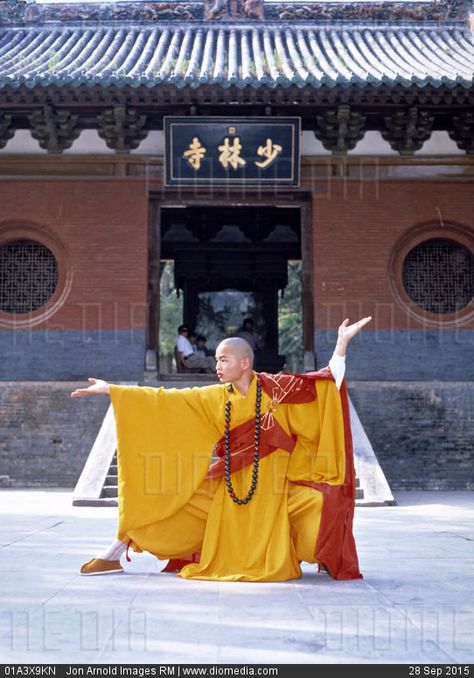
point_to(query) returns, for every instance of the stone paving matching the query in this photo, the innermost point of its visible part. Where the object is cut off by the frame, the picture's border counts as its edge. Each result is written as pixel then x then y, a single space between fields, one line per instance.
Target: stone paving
pixel 415 603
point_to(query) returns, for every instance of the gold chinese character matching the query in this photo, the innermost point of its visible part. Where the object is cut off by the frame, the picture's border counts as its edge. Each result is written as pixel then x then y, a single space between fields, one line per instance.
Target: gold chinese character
pixel 195 153
pixel 230 155
pixel 269 151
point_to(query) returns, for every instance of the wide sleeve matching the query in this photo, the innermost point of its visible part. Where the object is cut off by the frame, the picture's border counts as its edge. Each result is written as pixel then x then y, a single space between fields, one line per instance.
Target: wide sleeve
pixel 319 453
pixel 165 440
pixel 337 365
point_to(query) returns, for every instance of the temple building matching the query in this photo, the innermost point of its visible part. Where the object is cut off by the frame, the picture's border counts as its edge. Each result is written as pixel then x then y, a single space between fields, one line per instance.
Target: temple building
pixel 232 137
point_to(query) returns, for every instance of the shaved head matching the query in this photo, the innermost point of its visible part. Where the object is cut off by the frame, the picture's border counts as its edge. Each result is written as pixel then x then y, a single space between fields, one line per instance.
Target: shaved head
pixel 238 347
pixel 234 363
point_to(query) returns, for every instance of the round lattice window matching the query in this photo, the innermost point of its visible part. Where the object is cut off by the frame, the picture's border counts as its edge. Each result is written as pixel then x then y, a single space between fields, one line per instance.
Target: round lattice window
pixel 438 275
pixel 28 276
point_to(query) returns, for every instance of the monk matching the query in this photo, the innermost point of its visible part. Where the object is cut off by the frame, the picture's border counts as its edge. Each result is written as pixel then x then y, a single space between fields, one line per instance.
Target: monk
pixel 281 490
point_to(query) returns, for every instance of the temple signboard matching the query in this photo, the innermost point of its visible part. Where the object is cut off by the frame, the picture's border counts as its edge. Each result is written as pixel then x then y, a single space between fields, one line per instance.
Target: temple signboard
pixel 252 151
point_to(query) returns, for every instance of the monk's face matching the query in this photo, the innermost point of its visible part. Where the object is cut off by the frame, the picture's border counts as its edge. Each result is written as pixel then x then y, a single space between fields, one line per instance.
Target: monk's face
pixel 230 364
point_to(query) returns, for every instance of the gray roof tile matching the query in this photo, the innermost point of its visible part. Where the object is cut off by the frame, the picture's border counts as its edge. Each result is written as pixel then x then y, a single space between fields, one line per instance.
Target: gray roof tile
pixel 239 54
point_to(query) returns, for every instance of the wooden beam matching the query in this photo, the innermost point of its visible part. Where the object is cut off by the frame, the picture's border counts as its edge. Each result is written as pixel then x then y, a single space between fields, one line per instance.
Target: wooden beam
pixel 307 284
pixel 154 259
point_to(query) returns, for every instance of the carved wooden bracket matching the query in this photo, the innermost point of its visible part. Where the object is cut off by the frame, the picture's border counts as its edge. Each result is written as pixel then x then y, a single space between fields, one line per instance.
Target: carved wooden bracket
pixel 462 131
pixel 122 128
pixel 54 130
pixel 339 130
pixel 407 131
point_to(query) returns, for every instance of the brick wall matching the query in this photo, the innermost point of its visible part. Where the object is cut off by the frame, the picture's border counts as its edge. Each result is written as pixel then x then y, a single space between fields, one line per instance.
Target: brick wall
pixel 46 436
pixel 98 231
pixel 422 432
pixel 358 229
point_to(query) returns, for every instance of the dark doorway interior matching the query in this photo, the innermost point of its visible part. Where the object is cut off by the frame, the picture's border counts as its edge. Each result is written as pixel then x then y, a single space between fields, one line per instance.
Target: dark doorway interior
pixel 230 264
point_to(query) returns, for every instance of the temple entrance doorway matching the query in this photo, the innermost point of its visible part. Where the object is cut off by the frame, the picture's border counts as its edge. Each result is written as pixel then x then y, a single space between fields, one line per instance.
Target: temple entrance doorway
pixel 226 269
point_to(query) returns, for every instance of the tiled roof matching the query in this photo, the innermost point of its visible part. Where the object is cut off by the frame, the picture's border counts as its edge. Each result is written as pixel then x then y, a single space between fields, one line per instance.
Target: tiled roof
pixel 242 54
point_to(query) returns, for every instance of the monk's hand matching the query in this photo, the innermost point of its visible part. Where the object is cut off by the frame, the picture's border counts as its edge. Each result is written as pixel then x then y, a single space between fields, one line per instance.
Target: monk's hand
pixel 96 386
pixel 346 332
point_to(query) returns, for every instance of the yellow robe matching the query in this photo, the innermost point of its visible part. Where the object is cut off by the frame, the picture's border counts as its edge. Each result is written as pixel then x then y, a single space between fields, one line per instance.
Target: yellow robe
pixel 167 507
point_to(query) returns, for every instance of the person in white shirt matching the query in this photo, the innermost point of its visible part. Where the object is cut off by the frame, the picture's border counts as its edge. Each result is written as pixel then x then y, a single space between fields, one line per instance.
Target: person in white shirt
pixel 186 354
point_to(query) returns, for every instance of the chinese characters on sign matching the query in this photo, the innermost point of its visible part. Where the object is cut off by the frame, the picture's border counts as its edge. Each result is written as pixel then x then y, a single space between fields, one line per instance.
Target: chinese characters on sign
pixel 237 151
pixel 195 153
pixel 269 151
pixel 230 155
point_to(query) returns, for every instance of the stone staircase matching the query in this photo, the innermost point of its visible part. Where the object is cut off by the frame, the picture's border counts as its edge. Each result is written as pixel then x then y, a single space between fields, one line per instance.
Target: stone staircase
pixel 98 484
pixel 110 488
pixel 99 469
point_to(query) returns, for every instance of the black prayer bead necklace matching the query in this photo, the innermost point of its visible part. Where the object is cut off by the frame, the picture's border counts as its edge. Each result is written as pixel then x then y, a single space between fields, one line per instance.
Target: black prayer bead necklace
pixel 256 455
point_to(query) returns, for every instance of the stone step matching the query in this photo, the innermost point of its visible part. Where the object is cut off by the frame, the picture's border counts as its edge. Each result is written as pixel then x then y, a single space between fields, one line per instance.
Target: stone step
pixel 95 502
pixel 111 479
pixel 109 491
pixel 88 490
pixel 154 379
pixel 367 468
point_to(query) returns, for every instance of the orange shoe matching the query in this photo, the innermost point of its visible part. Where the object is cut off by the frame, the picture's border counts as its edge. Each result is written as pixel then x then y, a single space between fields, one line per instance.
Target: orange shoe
pixel 99 566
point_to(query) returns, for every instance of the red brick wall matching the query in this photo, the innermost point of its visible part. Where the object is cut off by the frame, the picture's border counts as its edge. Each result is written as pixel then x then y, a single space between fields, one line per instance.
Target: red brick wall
pixel 99 231
pixel 101 228
pixel 357 230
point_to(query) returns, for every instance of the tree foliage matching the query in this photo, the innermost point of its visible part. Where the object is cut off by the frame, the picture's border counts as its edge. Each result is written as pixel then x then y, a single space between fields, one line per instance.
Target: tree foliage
pixel 290 326
pixel 171 310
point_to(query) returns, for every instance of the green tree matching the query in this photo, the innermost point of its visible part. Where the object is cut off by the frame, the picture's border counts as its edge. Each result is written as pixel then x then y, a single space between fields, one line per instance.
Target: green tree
pixel 290 326
pixel 171 313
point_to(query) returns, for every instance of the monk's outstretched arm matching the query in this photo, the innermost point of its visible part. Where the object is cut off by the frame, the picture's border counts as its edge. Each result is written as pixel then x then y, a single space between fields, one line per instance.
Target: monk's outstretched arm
pixel 346 332
pixel 97 386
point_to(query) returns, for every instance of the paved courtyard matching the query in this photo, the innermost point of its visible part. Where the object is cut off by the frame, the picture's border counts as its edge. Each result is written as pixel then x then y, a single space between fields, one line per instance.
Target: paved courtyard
pixel 415 604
